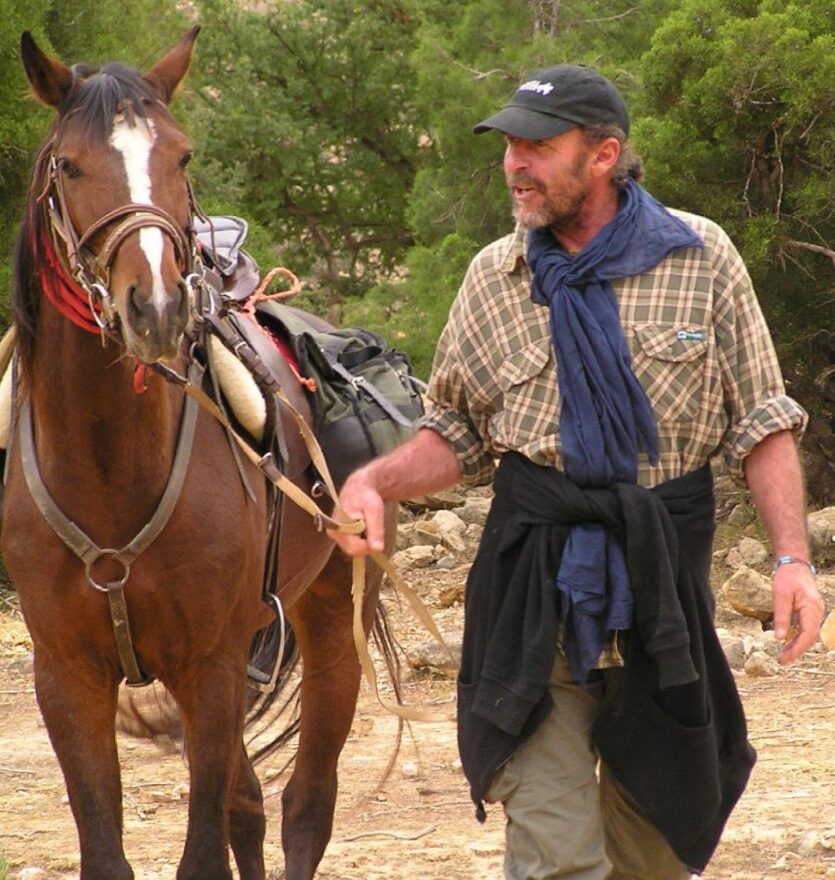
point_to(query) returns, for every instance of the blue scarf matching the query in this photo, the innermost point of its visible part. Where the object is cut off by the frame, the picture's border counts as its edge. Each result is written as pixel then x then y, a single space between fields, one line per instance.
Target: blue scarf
pixel 605 415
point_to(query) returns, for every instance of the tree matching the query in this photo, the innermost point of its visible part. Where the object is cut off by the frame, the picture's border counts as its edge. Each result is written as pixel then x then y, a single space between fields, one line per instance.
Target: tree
pixel 738 123
pixel 306 122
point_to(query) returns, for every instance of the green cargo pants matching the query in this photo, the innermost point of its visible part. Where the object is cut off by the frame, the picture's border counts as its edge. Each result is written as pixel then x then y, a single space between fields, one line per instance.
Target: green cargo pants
pixel 566 817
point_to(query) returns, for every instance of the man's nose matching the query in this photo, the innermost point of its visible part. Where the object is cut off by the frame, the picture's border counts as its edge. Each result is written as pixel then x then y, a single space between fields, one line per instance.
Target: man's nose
pixel 514 157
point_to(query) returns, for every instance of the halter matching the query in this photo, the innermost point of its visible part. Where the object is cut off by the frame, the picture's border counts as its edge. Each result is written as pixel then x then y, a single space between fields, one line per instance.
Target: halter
pixel 84 297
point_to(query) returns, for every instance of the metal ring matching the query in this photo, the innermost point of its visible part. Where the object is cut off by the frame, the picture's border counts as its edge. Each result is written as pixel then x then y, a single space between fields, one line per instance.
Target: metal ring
pixel 319 489
pixel 105 588
pixel 106 301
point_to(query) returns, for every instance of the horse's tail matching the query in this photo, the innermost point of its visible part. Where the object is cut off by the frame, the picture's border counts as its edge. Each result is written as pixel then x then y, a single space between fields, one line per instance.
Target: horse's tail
pixel 260 722
pixel 150 713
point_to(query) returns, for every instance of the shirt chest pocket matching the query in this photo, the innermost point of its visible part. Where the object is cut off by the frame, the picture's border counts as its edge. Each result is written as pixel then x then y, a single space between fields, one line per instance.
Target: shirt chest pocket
pixel 529 390
pixel 670 362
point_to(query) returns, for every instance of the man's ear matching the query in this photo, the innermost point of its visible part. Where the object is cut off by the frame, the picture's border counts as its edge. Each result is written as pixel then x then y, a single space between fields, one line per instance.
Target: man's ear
pixel 605 157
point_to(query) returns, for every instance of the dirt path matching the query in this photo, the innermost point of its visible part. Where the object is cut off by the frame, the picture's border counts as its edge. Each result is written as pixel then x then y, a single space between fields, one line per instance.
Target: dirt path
pixel 420 824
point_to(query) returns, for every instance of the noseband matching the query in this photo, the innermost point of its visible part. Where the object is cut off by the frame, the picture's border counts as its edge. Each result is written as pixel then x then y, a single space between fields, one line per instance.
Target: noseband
pixel 91 271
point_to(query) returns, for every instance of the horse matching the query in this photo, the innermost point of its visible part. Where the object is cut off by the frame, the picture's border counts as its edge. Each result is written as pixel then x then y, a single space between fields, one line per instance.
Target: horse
pixel 118 574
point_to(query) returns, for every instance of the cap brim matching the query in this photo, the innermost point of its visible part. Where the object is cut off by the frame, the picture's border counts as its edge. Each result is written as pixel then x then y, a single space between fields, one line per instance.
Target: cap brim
pixel 523 123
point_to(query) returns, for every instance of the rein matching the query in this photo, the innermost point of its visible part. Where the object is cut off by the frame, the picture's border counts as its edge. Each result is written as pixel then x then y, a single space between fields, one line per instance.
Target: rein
pixel 266 465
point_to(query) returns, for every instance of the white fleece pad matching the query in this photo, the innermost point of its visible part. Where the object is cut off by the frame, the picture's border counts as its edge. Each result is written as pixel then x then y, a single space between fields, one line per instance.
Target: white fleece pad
pixel 239 389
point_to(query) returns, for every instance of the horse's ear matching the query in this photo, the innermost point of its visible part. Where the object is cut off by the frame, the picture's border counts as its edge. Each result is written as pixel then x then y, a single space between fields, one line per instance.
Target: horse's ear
pixel 167 74
pixel 51 81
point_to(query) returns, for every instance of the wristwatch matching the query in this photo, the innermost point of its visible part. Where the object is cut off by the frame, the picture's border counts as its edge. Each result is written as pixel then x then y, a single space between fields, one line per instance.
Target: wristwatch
pixel 789 560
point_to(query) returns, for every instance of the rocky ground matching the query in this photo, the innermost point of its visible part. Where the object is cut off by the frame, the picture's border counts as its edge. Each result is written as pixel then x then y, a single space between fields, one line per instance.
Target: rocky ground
pixel 419 823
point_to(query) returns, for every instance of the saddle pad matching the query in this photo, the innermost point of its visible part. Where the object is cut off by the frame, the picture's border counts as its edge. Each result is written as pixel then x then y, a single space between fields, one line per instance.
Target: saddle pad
pixel 5 408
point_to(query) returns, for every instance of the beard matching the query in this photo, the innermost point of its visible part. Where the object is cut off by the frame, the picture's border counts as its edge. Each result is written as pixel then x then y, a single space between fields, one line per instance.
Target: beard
pixel 561 206
pixel 558 215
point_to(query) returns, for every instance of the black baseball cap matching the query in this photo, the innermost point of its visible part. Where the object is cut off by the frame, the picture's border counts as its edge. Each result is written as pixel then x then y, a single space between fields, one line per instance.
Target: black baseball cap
pixel 556 99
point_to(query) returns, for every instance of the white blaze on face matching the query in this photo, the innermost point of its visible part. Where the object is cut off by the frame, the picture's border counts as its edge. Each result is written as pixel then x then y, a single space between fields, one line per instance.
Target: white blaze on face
pixel 135 143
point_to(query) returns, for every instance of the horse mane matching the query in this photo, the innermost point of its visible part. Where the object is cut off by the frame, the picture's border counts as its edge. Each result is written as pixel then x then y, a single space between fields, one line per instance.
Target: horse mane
pixel 98 96
pixel 95 97
pixel 26 283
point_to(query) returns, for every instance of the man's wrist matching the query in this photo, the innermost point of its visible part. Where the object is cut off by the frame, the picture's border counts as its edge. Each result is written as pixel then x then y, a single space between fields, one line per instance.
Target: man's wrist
pixel 793 560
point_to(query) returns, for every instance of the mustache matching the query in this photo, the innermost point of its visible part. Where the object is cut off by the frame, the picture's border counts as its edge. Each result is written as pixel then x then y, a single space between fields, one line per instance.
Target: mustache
pixel 520 178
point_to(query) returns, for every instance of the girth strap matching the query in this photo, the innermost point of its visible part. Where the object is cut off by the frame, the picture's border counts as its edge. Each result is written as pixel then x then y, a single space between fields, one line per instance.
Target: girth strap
pixel 86 549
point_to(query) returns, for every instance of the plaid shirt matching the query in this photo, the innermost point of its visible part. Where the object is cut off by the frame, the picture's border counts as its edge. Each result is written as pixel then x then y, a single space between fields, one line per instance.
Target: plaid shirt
pixel 699 344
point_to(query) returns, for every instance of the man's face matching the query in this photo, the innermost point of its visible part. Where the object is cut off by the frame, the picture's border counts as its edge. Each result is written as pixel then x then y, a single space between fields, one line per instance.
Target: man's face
pixel 548 180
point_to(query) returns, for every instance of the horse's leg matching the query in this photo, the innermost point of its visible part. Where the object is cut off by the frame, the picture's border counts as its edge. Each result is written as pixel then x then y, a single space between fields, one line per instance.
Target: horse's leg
pixel 247 824
pixel 322 622
pixel 79 707
pixel 211 699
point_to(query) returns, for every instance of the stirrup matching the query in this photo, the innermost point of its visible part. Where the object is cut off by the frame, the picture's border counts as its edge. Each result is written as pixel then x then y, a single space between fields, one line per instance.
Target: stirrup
pixel 258 679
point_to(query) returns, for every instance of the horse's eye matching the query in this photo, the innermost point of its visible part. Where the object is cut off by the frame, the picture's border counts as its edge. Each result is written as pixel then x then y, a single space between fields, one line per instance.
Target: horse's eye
pixel 67 167
pixel 186 159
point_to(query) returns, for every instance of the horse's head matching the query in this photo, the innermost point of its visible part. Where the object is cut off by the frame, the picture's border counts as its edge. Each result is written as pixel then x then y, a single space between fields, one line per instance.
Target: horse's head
pixel 115 192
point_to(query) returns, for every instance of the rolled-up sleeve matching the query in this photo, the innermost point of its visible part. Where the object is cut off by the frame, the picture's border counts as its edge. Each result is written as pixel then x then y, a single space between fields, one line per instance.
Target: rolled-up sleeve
pixel 450 413
pixel 755 396
pixel 476 464
pixel 461 390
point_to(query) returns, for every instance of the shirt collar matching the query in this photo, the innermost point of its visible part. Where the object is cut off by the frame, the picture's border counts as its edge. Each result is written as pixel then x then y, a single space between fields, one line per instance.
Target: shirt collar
pixel 516 249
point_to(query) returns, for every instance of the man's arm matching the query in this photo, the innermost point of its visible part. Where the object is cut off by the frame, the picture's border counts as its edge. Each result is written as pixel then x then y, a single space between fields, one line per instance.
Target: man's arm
pixel 425 463
pixel 775 478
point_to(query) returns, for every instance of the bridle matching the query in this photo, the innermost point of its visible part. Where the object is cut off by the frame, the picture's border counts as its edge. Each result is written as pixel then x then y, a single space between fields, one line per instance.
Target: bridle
pixel 91 271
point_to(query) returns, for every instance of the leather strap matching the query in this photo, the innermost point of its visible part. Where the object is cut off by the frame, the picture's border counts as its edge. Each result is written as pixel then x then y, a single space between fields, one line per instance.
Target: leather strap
pixel 85 548
pixel 134 676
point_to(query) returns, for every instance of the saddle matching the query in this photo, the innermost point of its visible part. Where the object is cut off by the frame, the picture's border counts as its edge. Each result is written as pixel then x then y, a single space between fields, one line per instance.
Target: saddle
pixel 229 269
pixel 359 396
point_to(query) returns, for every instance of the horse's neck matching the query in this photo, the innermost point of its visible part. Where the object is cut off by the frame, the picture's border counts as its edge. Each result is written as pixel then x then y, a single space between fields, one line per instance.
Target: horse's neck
pixel 94 433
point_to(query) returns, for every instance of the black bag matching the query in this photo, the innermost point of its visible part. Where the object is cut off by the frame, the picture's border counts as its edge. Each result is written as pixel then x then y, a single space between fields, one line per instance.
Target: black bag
pixel 366 399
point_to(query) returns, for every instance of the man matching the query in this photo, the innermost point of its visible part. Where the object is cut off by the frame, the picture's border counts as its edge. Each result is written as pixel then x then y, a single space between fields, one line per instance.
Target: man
pixel 605 352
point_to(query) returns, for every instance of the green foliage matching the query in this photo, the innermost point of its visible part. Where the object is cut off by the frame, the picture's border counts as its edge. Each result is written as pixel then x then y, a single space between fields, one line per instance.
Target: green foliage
pixel 745 98
pixel 306 121
pixel 739 124
pixel 4 868
pixel 411 313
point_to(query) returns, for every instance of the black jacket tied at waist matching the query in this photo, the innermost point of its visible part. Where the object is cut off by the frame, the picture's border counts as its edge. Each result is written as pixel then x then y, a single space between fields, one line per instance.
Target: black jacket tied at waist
pixel 674 733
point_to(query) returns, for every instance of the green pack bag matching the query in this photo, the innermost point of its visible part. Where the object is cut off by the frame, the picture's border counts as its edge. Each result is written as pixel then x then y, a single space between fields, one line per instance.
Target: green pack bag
pixel 367 399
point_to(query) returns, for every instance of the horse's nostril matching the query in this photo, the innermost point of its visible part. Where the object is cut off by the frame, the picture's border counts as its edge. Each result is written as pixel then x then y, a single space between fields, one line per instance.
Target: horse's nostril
pixel 134 303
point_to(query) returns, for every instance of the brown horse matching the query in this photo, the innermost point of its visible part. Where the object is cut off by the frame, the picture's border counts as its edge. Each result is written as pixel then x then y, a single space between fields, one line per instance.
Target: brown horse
pixel 104 282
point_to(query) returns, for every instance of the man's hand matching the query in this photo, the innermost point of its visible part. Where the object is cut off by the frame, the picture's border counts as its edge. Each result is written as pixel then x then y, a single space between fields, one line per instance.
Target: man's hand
pixel 775 478
pixel 424 463
pixel 796 597
pixel 360 500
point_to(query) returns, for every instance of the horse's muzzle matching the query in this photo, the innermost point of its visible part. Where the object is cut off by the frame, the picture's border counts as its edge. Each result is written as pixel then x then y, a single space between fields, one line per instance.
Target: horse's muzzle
pixel 152 329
